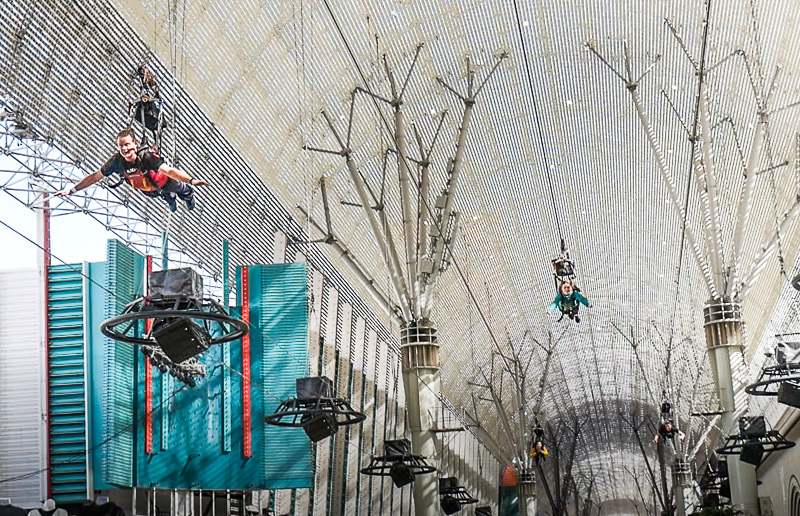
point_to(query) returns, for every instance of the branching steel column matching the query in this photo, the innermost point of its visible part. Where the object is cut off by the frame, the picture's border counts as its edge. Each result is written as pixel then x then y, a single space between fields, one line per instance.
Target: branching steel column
pixel 452 183
pixel 405 199
pixel 452 186
pixel 715 231
pixel 723 325
pixel 663 168
pixel 377 231
pixel 766 251
pixel 631 84
pixel 746 200
pixel 405 191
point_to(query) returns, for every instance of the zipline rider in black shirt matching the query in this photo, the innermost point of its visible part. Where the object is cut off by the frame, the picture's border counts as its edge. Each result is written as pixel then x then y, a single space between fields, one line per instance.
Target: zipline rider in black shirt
pixel 145 171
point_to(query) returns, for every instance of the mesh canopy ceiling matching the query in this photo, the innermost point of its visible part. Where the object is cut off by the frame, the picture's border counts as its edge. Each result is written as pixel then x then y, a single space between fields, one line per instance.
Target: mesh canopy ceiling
pixel 555 151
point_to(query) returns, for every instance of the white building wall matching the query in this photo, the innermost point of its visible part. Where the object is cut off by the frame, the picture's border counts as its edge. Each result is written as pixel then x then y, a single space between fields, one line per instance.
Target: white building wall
pixel 781 470
pixel 22 430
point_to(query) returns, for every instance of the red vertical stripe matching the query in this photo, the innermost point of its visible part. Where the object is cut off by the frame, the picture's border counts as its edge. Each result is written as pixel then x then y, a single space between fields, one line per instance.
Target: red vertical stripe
pixel 246 413
pixel 148 374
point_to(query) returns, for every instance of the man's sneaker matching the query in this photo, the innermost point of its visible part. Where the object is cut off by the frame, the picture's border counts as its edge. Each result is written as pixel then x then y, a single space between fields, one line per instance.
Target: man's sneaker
pixel 190 204
pixel 173 206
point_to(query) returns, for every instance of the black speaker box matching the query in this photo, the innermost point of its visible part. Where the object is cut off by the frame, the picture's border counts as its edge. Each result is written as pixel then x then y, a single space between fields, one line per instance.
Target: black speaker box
pixel 448 485
pixel 314 387
pixel 450 505
pixel 753 427
pixel 175 282
pixel 752 453
pixel 722 468
pixel 725 489
pixel 401 474
pixel 181 338
pixel 711 501
pixel 789 394
pixel 319 426
pixel 397 448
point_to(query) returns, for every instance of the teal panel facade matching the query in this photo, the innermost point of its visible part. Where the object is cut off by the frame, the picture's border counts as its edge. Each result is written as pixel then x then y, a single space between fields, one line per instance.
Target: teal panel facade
pixel 125 279
pixel 67 384
pixel 281 323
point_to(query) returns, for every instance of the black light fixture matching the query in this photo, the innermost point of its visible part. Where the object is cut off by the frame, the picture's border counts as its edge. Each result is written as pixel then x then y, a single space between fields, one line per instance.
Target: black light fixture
pixel 753 441
pixel 183 323
pixel 398 463
pixel 451 492
pixel 181 339
pixel 483 511
pixel 315 410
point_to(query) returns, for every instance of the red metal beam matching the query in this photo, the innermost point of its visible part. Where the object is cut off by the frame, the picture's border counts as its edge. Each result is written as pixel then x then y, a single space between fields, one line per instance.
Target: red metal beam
pixel 148 372
pixel 246 411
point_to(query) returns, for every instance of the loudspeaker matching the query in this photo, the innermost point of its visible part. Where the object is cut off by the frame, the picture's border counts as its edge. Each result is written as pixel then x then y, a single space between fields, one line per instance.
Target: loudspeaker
pixel 711 501
pixel 483 511
pixel 450 505
pixel 181 338
pixel 175 282
pixel 397 448
pixel 752 427
pixel 314 387
pixel 401 474
pixel 319 426
pixel 448 485
pixel 752 453
pixel 725 489
pixel 789 394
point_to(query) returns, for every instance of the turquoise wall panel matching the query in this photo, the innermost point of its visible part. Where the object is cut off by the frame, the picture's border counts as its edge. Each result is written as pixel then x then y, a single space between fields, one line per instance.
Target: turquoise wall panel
pixel 281 323
pixel 124 283
pixel 67 384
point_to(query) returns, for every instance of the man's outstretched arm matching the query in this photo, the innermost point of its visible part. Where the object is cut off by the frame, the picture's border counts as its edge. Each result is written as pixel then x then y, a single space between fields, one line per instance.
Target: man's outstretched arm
pixel 176 174
pixel 83 183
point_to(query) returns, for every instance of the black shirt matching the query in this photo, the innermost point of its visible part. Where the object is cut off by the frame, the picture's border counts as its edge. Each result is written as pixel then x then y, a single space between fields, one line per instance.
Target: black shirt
pixel 145 161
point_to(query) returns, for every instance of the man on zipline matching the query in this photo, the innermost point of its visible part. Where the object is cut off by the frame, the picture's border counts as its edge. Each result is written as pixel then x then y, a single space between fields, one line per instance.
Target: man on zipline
pixel 145 171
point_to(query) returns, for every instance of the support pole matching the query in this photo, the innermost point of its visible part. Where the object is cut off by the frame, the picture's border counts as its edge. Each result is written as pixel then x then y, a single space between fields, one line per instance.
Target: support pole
pixel 166 379
pixel 43 221
pixel 420 354
pixel 452 187
pixel 226 356
pixel 526 487
pixel 723 325
pixel 405 200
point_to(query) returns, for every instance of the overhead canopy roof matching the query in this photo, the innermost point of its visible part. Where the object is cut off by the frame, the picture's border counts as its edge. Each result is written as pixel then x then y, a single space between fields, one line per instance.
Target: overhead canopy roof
pixel 555 151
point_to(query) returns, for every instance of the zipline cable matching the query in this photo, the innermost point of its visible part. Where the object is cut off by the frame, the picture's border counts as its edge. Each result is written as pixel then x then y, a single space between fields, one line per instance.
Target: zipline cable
pixel 539 128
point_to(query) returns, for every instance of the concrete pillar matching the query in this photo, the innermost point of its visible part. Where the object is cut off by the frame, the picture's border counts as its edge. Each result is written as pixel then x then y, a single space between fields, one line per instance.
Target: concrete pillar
pixel 723 325
pixel 420 355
